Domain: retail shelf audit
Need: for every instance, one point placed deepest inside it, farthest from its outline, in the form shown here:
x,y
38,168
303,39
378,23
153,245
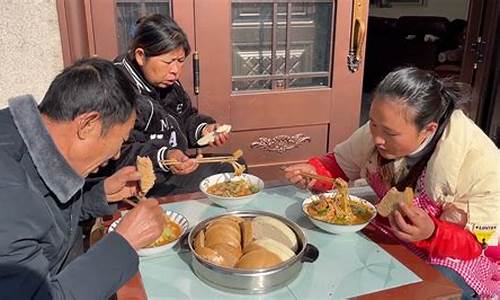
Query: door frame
x,y
485,16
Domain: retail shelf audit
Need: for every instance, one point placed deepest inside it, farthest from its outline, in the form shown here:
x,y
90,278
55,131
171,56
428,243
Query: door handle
x,y
196,73
358,34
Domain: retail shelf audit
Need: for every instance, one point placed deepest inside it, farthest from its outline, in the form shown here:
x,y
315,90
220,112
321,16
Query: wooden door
x,y
276,70
482,68
478,62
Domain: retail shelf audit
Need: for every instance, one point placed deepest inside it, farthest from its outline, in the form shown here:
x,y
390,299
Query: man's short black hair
x,y
90,85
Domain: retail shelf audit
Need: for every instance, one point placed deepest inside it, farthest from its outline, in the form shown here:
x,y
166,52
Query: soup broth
x,y
170,233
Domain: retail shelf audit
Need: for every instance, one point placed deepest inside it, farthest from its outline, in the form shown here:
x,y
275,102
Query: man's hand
x,y
185,166
292,173
411,223
143,224
219,138
122,184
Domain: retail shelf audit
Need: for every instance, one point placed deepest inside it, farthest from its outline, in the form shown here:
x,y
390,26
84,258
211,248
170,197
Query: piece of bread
x,y
222,234
210,137
282,251
206,139
210,255
230,255
225,220
145,167
268,227
225,128
246,234
229,224
233,228
230,218
199,240
391,200
258,258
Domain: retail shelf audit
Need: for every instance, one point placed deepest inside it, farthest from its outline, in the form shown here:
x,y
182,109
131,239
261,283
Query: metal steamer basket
x,y
252,281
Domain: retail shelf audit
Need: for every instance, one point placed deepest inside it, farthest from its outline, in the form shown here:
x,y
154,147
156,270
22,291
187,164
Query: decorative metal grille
x,y
129,11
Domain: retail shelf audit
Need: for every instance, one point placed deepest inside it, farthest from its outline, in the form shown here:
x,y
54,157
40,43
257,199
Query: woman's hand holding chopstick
x,y
296,174
181,163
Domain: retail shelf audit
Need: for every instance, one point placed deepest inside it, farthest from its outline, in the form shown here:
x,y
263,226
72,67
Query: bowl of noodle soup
x,y
175,226
337,213
229,190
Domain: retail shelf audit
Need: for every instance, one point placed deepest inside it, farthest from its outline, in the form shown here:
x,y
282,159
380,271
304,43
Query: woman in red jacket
x,y
418,137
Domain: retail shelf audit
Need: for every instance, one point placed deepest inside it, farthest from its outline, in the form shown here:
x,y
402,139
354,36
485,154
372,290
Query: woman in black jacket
x,y
167,123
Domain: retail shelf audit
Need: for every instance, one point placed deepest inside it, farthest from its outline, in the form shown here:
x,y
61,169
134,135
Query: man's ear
x,y
88,124
140,56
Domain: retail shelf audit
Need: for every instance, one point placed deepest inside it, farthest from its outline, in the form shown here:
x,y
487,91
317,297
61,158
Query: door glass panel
x,y
252,40
281,39
308,82
128,11
310,36
281,44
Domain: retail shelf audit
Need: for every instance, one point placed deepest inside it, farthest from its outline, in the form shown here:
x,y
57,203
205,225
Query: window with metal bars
x,y
129,11
281,44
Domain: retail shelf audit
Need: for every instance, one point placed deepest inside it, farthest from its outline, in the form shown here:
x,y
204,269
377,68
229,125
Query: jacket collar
x,y
54,170
134,71
138,77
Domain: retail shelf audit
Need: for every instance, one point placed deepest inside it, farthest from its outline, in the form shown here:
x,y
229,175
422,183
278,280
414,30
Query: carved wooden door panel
x,y
277,71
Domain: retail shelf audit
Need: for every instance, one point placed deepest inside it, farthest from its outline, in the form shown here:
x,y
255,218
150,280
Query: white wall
x,y
451,9
30,47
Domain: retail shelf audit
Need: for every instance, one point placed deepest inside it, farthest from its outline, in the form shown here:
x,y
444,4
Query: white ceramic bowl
x,y
231,202
174,216
339,228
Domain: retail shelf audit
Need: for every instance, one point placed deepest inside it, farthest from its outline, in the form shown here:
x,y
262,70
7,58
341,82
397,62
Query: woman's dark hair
x,y
90,85
158,34
429,98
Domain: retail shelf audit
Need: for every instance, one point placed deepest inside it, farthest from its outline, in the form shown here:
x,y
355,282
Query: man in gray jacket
x,y
45,154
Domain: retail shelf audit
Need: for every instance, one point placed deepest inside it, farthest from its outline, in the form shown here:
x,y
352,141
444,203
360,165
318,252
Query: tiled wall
x,y
30,47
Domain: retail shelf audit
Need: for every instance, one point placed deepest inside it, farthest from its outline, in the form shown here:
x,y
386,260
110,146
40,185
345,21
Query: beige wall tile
x,y
30,47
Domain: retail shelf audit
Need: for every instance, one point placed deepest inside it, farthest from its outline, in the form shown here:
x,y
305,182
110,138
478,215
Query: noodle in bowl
x,y
231,201
340,228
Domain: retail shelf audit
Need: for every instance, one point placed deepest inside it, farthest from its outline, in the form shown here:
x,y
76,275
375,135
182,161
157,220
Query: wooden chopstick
x,y
318,177
313,176
130,202
216,157
201,161
205,158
